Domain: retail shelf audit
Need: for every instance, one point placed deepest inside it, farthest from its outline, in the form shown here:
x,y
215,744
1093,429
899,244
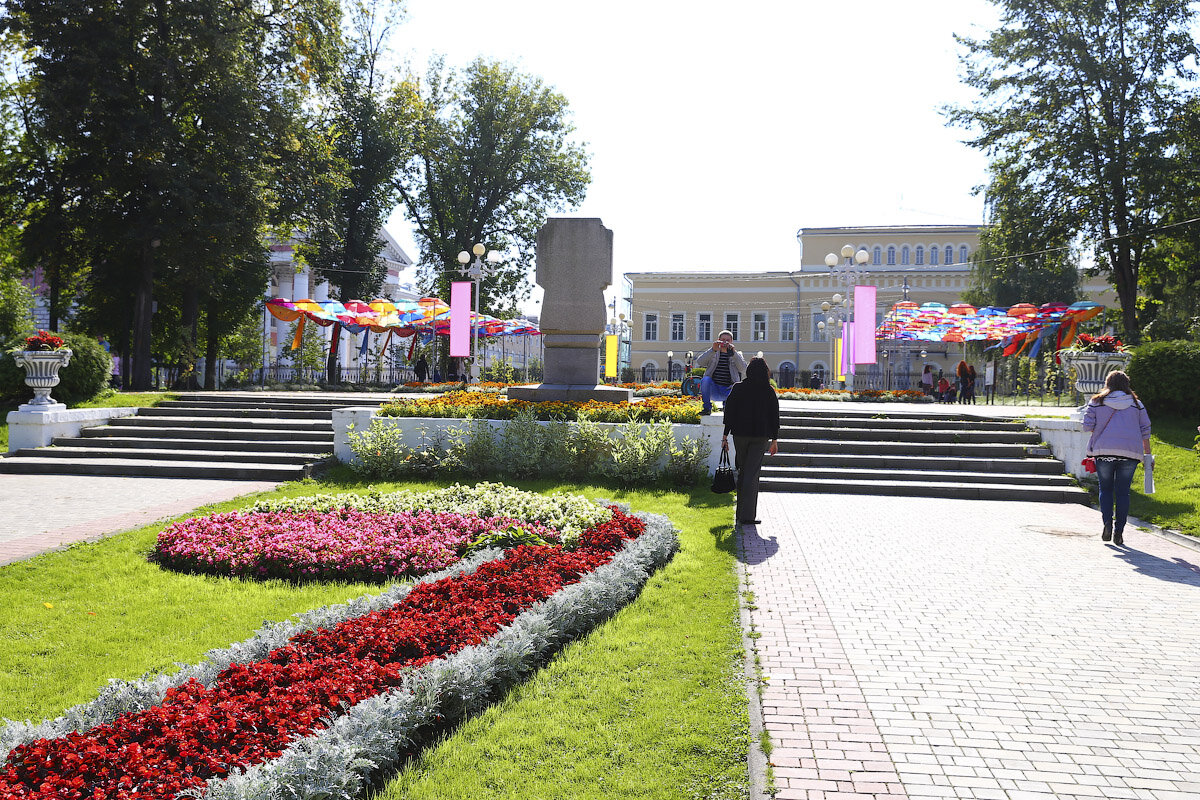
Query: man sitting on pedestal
x,y
724,366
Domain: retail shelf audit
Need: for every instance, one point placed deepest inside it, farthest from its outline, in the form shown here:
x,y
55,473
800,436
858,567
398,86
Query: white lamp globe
x,y
831,260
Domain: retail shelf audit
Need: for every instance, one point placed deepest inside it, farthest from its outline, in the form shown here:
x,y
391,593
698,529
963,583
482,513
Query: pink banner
x,y
460,319
864,325
847,365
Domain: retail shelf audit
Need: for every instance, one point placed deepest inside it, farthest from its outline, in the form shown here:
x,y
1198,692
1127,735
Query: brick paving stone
x,y
976,649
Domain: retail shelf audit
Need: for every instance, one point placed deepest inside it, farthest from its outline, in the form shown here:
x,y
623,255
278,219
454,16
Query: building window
x,y
891,256
818,371
731,325
933,255
877,256
787,327
704,328
677,327
760,327
818,335
651,328
949,255
649,372
962,254
904,255
920,255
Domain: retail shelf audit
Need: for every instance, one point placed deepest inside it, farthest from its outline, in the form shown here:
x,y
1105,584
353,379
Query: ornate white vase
x,y
1091,369
41,373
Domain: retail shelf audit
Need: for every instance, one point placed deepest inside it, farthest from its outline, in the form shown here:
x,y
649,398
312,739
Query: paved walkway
x,y
47,512
920,648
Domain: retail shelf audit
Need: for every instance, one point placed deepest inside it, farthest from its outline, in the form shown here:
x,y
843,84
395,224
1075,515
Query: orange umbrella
x,y
962,308
1023,310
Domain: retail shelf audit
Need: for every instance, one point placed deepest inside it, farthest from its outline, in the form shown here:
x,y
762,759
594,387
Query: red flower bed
x,y
253,711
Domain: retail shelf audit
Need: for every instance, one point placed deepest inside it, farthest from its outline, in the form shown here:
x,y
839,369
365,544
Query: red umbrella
x,y
1023,310
962,308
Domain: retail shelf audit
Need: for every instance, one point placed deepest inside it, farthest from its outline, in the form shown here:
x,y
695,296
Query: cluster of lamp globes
x,y
855,262
476,270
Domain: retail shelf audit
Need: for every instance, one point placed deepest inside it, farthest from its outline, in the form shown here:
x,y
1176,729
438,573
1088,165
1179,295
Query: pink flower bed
x,y
326,545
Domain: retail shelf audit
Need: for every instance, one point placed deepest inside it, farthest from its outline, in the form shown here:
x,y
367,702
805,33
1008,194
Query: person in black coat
x,y
752,415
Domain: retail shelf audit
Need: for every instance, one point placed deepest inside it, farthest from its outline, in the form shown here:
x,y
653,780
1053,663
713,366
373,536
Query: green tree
x,y
155,115
494,157
1081,100
368,139
1021,259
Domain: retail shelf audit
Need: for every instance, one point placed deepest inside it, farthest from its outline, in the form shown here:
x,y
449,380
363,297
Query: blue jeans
x,y
1115,478
709,391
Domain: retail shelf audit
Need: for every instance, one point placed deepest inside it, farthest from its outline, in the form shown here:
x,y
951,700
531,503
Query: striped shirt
x,y
721,373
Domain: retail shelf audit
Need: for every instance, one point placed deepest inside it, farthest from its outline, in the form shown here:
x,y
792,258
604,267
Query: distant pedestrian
x,y
752,415
963,377
421,368
815,381
1120,439
927,379
971,385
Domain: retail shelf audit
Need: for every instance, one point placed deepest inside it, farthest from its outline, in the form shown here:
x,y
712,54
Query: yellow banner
x,y
837,360
610,356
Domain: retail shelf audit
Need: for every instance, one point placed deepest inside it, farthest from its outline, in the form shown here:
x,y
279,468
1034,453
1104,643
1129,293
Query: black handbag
x,y
724,480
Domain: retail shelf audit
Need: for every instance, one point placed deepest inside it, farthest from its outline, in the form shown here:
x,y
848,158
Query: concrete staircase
x,y
913,454
232,435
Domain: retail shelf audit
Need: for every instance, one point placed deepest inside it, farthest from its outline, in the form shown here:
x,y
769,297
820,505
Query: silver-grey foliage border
x,y
339,761
121,696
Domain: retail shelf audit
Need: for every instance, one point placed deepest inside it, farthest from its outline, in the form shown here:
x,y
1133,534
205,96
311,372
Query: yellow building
x,y
780,312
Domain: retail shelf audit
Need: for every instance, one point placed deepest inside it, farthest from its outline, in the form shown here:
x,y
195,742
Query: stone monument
x,y
574,267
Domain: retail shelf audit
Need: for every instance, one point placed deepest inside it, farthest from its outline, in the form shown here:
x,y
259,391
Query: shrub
x,y
1166,376
381,452
82,379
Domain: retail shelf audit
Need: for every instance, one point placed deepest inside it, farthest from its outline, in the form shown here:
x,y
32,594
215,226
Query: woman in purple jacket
x,y
1120,439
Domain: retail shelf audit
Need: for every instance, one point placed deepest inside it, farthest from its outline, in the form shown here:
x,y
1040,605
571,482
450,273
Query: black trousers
x,y
749,452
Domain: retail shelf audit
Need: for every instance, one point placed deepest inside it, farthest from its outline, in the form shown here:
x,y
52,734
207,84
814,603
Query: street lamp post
x,y
476,272
847,271
618,327
670,362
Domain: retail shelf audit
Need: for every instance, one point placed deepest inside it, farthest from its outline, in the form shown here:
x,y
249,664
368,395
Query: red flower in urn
x,y
1086,343
44,340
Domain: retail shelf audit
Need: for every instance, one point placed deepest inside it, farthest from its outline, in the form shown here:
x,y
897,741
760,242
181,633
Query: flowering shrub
x,y
348,544
44,340
890,396
1086,343
489,406
253,711
568,514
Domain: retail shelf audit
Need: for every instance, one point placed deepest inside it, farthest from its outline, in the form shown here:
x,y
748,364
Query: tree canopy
x,y
1078,109
493,158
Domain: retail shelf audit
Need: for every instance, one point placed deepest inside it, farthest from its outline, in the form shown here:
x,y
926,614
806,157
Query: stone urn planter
x,y
1091,369
41,374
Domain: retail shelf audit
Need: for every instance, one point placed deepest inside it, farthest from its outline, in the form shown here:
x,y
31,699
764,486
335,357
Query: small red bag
x,y
1089,464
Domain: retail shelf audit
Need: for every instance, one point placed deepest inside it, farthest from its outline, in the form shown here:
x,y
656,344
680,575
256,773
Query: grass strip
x,y
649,704
1175,503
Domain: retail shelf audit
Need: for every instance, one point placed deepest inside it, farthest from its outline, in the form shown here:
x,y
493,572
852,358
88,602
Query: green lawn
x,y
1175,503
106,399
650,704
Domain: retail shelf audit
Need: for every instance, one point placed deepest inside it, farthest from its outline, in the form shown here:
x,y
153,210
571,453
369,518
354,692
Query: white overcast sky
x,y
717,130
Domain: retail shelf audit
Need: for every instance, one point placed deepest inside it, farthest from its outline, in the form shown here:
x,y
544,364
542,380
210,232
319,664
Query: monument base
x,y
571,392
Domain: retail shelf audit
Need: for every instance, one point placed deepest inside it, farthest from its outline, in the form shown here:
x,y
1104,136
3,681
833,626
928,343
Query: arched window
x,y
787,374
962,254
949,255
877,256
676,371
818,370
920,254
649,372
904,255
933,255
891,255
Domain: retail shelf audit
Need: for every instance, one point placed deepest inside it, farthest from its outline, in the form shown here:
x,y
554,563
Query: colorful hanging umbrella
x,y
962,309
1022,310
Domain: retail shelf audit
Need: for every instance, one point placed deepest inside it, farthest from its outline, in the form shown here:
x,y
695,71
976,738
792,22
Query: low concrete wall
x,y
40,428
1067,440
361,417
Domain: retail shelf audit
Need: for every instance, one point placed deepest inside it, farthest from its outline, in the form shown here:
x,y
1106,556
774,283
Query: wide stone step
x,y
880,447
223,470
902,423
771,470
216,405
900,411
944,489
319,448
232,423
192,411
215,434
879,463
157,453
959,434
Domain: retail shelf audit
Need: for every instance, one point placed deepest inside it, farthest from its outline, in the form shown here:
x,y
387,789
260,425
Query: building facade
x,y
779,313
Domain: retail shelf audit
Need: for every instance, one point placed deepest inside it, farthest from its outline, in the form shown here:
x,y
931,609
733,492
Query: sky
x,y
716,130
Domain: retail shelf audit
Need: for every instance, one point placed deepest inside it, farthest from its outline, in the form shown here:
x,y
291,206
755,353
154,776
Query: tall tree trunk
x,y
190,321
331,364
212,346
143,312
